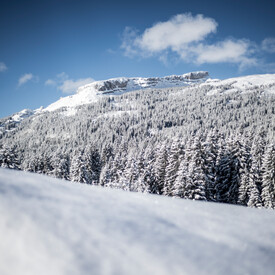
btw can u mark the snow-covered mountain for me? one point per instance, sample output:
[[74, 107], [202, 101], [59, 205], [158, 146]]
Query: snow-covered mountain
[[148, 133], [114, 86], [10, 122], [117, 86], [50, 226]]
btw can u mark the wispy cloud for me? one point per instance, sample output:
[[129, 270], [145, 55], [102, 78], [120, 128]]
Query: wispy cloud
[[66, 85], [70, 86], [3, 67], [25, 78], [268, 45], [50, 82], [186, 36]]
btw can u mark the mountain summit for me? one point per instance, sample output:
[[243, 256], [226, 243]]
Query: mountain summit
[[117, 86]]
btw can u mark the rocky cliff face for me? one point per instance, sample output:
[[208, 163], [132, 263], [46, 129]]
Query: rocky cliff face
[[119, 85]]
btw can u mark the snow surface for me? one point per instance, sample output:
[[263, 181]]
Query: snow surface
[[50, 226]]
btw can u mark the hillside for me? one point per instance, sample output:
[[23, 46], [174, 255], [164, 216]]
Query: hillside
[[49, 226], [210, 141]]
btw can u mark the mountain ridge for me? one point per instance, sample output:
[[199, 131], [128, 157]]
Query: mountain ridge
[[90, 93], [116, 86]]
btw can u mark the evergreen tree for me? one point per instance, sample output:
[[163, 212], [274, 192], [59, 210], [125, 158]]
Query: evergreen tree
[[181, 180], [92, 165], [172, 168], [60, 166], [256, 173], [9, 158], [223, 173], [160, 168], [268, 191], [211, 148], [77, 169], [245, 168], [196, 184]]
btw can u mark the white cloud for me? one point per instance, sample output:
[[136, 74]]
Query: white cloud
[[50, 82], [3, 67], [128, 40], [25, 78], [181, 30], [62, 76], [225, 51], [66, 85], [70, 86], [268, 45], [186, 36]]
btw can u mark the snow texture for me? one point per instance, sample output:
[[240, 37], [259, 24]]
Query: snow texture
[[50, 226]]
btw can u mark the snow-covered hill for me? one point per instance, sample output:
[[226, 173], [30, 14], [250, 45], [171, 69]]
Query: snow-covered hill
[[50, 226], [117, 86], [10, 122], [241, 84]]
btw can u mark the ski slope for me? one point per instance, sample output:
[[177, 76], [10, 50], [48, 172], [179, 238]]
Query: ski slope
[[49, 226]]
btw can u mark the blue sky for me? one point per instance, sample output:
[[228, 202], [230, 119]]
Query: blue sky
[[49, 48]]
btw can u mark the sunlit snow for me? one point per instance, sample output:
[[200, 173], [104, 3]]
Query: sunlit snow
[[50, 226]]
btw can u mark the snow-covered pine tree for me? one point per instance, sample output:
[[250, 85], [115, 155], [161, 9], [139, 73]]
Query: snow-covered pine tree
[[60, 166], [244, 171], [196, 184], [143, 174], [268, 190], [9, 158], [173, 162], [181, 180], [149, 173], [223, 166], [256, 173], [160, 167], [233, 164], [92, 165], [77, 169], [211, 148], [129, 177], [234, 149]]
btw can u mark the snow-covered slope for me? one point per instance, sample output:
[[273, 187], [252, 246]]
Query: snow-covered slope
[[10, 122], [50, 226], [116, 86], [241, 84]]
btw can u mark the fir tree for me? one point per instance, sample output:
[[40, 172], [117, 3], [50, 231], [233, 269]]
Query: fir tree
[[160, 168], [172, 168], [268, 191]]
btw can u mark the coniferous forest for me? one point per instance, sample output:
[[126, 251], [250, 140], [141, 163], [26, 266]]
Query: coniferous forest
[[181, 142]]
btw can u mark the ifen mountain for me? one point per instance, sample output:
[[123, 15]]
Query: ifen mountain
[[187, 136]]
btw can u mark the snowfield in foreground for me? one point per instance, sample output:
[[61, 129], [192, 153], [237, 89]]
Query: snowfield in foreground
[[50, 226]]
